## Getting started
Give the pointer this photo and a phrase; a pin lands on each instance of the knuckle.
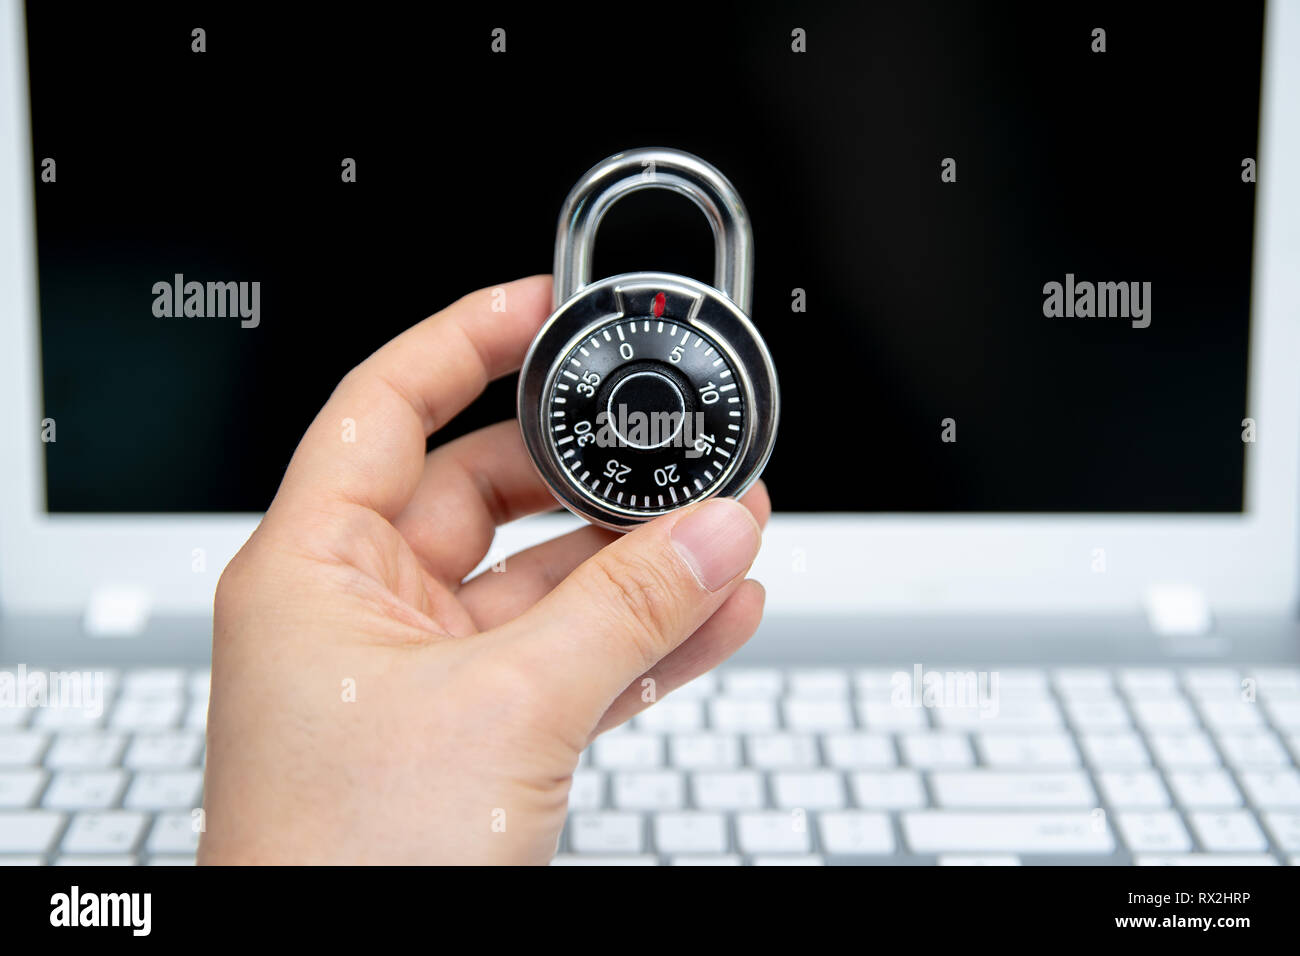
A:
(228, 589)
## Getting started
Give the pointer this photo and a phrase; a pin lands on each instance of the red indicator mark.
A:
(658, 309)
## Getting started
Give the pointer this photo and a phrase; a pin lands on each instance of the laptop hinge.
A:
(117, 612)
(1178, 611)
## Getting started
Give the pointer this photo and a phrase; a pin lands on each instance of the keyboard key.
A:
(19, 788)
(1007, 713)
(877, 683)
(1078, 681)
(22, 748)
(85, 789)
(778, 751)
(818, 684)
(54, 717)
(1285, 828)
(29, 831)
(655, 790)
(704, 751)
(1027, 750)
(772, 832)
(743, 714)
(606, 833)
(1283, 680)
(566, 859)
(1163, 713)
(105, 831)
(936, 750)
(1204, 788)
(196, 716)
(753, 682)
(14, 860)
(701, 688)
(1228, 831)
(1159, 832)
(67, 860)
(821, 715)
(146, 713)
(1148, 680)
(697, 860)
(1231, 713)
(85, 751)
(631, 750)
(859, 751)
(154, 682)
(988, 789)
(1270, 789)
(1207, 859)
(1214, 681)
(672, 716)
(952, 859)
(728, 790)
(164, 790)
(790, 860)
(856, 833)
(890, 790)
(1114, 750)
(199, 683)
(886, 716)
(938, 831)
(1184, 751)
(173, 833)
(1097, 713)
(1260, 749)
(817, 790)
(1020, 680)
(1133, 788)
(690, 832)
(1284, 714)
(157, 751)
(587, 790)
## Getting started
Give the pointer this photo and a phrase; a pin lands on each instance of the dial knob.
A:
(646, 414)
(645, 393)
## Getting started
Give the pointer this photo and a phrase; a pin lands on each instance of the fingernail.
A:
(718, 541)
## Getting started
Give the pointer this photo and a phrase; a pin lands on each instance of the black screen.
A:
(924, 298)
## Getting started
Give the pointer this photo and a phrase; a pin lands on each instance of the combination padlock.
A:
(647, 391)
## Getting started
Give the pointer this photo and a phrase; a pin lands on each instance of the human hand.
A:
(472, 699)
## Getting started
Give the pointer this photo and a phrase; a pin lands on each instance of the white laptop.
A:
(983, 688)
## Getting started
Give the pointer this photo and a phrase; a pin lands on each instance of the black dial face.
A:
(646, 414)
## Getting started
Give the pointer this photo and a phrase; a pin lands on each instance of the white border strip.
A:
(810, 564)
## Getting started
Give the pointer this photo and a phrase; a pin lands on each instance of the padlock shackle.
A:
(655, 168)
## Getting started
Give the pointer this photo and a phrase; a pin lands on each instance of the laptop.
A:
(1031, 282)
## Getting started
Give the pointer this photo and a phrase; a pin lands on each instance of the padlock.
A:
(648, 391)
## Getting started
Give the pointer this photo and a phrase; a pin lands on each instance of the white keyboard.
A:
(809, 767)
(773, 767)
(119, 787)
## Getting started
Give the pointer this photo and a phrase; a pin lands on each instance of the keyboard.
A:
(115, 782)
(1146, 766)
(771, 766)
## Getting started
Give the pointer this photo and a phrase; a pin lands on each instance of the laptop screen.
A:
(1003, 256)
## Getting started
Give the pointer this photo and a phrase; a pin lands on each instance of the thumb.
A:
(630, 604)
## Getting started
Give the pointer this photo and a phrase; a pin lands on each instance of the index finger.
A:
(367, 444)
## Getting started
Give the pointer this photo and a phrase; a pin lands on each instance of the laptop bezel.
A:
(811, 564)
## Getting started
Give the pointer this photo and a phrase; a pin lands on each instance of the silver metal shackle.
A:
(655, 168)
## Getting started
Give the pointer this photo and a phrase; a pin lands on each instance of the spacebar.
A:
(935, 831)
